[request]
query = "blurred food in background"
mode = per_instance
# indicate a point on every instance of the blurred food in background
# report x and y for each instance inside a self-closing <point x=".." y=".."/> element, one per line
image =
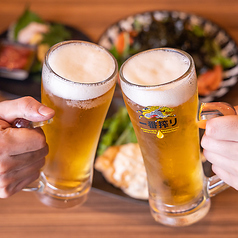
<point x="29" y="35"/>
<point x="202" y="39"/>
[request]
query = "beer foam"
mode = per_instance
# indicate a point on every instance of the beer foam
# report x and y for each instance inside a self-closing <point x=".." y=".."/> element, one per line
<point x="76" y="67"/>
<point x="158" y="67"/>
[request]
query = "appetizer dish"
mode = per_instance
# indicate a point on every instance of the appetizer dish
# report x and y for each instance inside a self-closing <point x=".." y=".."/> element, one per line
<point x="123" y="167"/>
<point x="15" y="60"/>
<point x="31" y="29"/>
<point x="31" y="32"/>
<point x="28" y="38"/>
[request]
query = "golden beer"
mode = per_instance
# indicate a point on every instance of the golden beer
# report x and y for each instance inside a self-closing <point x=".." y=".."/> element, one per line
<point x="172" y="163"/>
<point x="160" y="92"/>
<point x="73" y="137"/>
<point x="78" y="82"/>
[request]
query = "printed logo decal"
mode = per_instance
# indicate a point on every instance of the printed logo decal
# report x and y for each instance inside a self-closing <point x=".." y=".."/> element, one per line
<point x="158" y="120"/>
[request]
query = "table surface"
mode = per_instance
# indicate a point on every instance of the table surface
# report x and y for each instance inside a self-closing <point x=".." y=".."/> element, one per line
<point x="104" y="215"/>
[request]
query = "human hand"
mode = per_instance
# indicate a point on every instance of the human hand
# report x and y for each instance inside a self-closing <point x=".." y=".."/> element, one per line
<point x="22" y="150"/>
<point x="220" y="143"/>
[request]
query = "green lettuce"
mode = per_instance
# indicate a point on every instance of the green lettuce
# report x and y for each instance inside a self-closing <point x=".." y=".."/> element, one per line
<point x="118" y="131"/>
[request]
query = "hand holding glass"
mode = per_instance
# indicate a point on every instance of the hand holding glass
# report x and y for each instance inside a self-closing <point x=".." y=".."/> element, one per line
<point x="78" y="82"/>
<point x="160" y="92"/>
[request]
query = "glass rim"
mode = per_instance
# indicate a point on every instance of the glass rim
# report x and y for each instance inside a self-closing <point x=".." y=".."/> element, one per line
<point x="184" y="75"/>
<point x="56" y="46"/>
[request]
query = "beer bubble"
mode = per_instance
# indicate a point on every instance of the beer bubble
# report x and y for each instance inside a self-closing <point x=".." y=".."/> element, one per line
<point x="151" y="73"/>
<point x="78" y="71"/>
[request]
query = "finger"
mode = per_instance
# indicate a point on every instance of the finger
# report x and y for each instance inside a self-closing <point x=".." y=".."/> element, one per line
<point x="9" y="191"/>
<point x="225" y="163"/>
<point x="17" y="162"/>
<point x="27" y="108"/>
<point x="4" y="125"/>
<point x="14" y="141"/>
<point x="224" y="148"/>
<point x="26" y="159"/>
<point x="228" y="178"/>
<point x="236" y="107"/>
<point x="223" y="128"/>
<point x="11" y="178"/>
<point x="24" y="183"/>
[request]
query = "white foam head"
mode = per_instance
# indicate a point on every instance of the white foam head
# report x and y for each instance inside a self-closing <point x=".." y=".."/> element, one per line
<point x="78" y="70"/>
<point x="160" y="77"/>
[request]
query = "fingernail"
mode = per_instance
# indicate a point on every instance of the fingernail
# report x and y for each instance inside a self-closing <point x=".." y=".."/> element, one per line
<point x="45" y="111"/>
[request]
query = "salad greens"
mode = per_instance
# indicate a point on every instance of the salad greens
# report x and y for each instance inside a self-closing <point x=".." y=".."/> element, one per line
<point x="56" y="33"/>
<point x="118" y="131"/>
<point x="25" y="19"/>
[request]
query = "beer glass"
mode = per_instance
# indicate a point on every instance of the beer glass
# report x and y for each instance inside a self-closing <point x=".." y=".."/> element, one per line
<point x="160" y="92"/>
<point x="78" y="82"/>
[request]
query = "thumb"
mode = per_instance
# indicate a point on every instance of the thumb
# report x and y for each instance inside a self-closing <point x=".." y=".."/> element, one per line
<point x="25" y="107"/>
<point x="236" y="107"/>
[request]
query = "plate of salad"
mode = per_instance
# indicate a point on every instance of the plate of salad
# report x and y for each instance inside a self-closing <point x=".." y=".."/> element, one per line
<point x="22" y="50"/>
<point x="214" y="51"/>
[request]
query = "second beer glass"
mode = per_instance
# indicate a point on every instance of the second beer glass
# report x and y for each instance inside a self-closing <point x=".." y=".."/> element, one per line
<point x="160" y="91"/>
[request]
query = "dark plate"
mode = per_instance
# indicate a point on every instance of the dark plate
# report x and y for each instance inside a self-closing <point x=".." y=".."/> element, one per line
<point x="100" y="184"/>
<point x="145" y="20"/>
<point x="31" y="86"/>
<point x="230" y="76"/>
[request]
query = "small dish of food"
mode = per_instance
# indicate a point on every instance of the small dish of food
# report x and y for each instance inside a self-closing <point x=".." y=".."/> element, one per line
<point x="16" y="60"/>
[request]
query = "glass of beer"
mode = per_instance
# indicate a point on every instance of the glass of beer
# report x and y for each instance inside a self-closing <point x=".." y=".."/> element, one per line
<point x="78" y="82"/>
<point x="160" y="92"/>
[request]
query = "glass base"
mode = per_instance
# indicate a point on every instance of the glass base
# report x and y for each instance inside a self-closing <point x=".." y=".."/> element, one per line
<point x="61" y="202"/>
<point x="184" y="217"/>
<point x="58" y="198"/>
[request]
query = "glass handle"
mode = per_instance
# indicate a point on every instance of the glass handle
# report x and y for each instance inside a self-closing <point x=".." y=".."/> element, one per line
<point x="216" y="185"/>
<point x="39" y="187"/>
<point x="214" y="109"/>
<point x="23" y="123"/>
<point x="208" y="111"/>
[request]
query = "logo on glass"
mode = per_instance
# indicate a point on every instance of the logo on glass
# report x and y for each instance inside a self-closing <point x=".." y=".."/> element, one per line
<point x="158" y="120"/>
